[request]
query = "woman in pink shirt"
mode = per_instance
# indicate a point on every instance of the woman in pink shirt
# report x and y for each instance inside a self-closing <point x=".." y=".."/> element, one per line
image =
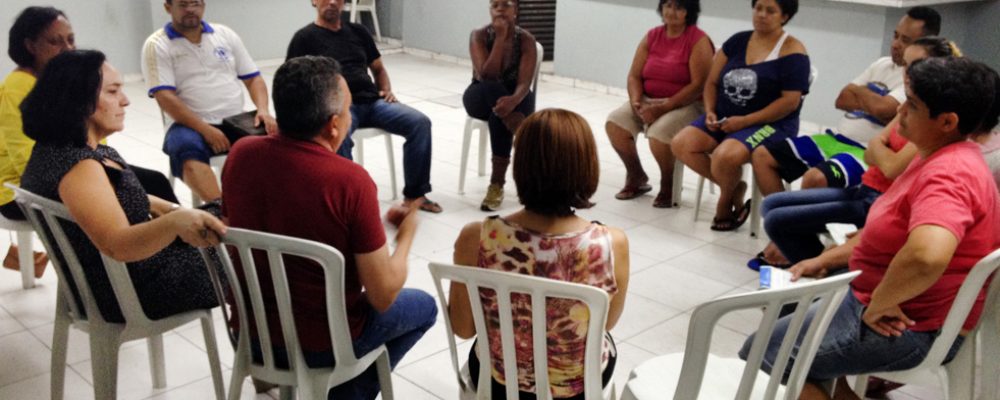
<point x="664" y="89"/>
<point x="922" y="236"/>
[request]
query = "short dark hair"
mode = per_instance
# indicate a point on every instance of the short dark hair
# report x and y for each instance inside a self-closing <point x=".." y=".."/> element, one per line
<point x="955" y="85"/>
<point x="28" y="25"/>
<point x="693" y="8"/>
<point x="65" y="96"/>
<point x="992" y="118"/>
<point x="555" y="163"/>
<point x="306" y="94"/>
<point x="931" y="18"/>
<point x="788" y="7"/>
<point x="937" y="46"/>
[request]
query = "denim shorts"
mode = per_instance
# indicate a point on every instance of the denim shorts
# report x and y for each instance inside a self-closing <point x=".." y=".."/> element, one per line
<point x="850" y="347"/>
<point x="182" y="144"/>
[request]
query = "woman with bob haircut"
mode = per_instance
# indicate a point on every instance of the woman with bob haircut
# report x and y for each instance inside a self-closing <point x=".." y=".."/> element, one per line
<point x="556" y="172"/>
<point x="665" y="85"/>
<point x="922" y="238"/>
<point x="78" y="102"/>
<point x="753" y="95"/>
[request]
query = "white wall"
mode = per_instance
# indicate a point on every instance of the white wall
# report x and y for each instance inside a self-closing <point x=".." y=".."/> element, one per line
<point x="119" y="27"/>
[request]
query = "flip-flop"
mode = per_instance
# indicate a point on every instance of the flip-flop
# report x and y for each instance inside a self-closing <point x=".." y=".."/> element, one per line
<point x="732" y="223"/>
<point x="663" y="200"/>
<point x="759" y="261"/>
<point x="743" y="214"/>
<point x="430" y="206"/>
<point x="629" y="193"/>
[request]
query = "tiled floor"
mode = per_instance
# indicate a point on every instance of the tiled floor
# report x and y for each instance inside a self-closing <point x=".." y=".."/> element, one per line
<point x="676" y="263"/>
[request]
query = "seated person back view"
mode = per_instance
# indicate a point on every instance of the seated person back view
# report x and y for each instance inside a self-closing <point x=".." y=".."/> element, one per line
<point x="193" y="69"/>
<point x="374" y="106"/>
<point x="869" y="101"/>
<point x="295" y="184"/>
<point x="78" y="102"/>
<point x="556" y="172"/>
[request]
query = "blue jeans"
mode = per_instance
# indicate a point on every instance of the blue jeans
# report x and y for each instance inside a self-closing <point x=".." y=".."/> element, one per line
<point x="479" y="99"/>
<point x="181" y="144"/>
<point x="398" y="119"/>
<point x="850" y="347"/>
<point x="793" y="219"/>
<point x="398" y="328"/>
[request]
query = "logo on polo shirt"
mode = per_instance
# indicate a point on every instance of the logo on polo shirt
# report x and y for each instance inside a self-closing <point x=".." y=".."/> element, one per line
<point x="222" y="53"/>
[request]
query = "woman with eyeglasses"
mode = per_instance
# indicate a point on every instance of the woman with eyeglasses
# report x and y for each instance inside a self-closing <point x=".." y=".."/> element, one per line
<point x="503" y="66"/>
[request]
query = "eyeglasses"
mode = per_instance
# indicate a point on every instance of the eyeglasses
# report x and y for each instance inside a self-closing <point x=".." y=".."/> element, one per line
<point x="501" y="5"/>
<point x="190" y="4"/>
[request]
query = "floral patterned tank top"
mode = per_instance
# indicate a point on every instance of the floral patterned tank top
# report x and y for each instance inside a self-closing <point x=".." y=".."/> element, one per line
<point x="580" y="257"/>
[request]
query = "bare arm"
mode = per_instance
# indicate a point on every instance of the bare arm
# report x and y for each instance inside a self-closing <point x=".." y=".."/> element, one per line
<point x="861" y="98"/>
<point x="526" y="71"/>
<point x="382" y="80"/>
<point x="833" y="258"/>
<point x="712" y="82"/>
<point x="847" y="100"/>
<point x="459" y="307"/>
<point x="634" y="83"/>
<point x="619" y="247"/>
<point x="258" y="93"/>
<point x="383" y="275"/>
<point x="915" y="268"/>
<point x="180" y="113"/>
<point x="90" y="199"/>
<point x="488" y="65"/>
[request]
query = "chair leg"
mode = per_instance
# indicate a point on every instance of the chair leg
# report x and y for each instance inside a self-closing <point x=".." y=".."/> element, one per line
<point x="157" y="368"/>
<point x="466" y="138"/>
<point x="26" y="258"/>
<point x="384" y="376"/>
<point x="104" y="348"/>
<point x="60" y="342"/>
<point x="241" y="367"/>
<point x="354" y="11"/>
<point x="374" y="13"/>
<point x="756" y="197"/>
<point x="392" y="165"/>
<point x="483" y="137"/>
<point x="861" y="385"/>
<point x="212" y="348"/>
<point x="678" y="183"/>
<point x="962" y="372"/>
<point x="359" y="151"/>
<point x="286" y="393"/>
<point x="697" y="198"/>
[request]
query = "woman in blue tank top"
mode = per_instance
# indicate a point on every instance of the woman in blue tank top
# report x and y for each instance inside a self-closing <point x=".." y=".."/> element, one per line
<point x="753" y="95"/>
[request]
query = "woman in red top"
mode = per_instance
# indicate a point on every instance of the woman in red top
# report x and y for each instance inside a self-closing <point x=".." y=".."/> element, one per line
<point x="664" y="89"/>
<point x="922" y="237"/>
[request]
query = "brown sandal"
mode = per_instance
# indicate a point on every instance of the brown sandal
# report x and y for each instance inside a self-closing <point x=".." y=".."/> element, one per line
<point x="631" y="192"/>
<point x="663" y="200"/>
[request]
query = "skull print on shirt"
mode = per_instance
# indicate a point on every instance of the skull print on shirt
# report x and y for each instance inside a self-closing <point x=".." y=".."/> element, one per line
<point x="740" y="85"/>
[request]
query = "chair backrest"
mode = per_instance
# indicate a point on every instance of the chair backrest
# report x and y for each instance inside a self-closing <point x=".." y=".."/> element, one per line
<point x="827" y="295"/>
<point x="245" y="244"/>
<point x="47" y="218"/>
<point x="539" y="289"/>
<point x="973" y="285"/>
<point x="539" y="56"/>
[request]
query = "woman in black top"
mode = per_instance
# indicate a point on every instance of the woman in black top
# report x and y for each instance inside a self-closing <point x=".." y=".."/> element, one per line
<point x="503" y="62"/>
<point x="77" y="102"/>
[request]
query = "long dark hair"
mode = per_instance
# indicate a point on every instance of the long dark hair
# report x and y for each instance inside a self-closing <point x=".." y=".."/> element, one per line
<point x="65" y="96"/>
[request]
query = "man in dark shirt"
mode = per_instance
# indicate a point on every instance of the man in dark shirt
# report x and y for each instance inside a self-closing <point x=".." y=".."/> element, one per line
<point x="374" y="104"/>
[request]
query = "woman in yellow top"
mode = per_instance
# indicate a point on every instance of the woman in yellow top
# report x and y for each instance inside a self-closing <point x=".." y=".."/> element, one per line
<point x="38" y="35"/>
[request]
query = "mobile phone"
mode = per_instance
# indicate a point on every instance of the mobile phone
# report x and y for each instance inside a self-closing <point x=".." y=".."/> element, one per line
<point x="720" y="121"/>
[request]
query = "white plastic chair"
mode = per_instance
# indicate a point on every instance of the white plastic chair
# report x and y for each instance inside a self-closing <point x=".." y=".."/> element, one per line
<point x="105" y="337"/>
<point x="957" y="378"/>
<point x="311" y="383"/>
<point x="483" y="127"/>
<point x="681" y="375"/>
<point x="505" y="283"/>
<point x="358" y="6"/>
<point x="359" y="137"/>
<point x="25" y="249"/>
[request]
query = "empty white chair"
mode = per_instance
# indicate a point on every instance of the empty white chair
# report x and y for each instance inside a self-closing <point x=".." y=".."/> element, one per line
<point x="957" y="378"/>
<point x="483" y="127"/>
<point x="359" y="137"/>
<point x="681" y="375"/>
<point x="358" y="6"/>
<point x="105" y="337"/>
<point x="310" y="383"/>
<point x="505" y="283"/>
<point x="25" y="249"/>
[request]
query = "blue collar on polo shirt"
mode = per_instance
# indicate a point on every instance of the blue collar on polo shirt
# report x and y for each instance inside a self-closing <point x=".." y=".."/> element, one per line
<point x="173" y="34"/>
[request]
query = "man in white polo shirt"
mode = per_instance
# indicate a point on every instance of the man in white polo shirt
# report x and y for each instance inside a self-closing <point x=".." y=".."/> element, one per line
<point x="194" y="69"/>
